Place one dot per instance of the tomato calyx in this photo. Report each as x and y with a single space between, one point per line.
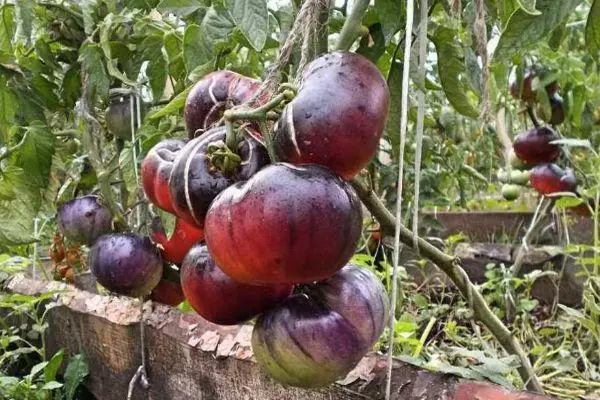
222 158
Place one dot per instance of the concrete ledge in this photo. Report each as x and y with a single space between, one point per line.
190 358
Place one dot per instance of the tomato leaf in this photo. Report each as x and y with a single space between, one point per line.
391 16
181 8
7 28
105 34
92 61
592 30
452 70
528 6
252 19
8 108
24 17
392 127
201 42
17 215
71 86
173 107
35 155
157 64
568 201
524 29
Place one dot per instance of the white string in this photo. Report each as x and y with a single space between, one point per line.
420 119
403 129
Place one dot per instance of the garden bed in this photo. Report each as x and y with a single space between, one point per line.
190 358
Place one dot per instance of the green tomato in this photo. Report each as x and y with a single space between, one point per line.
510 192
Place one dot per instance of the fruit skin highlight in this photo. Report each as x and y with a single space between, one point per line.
286 224
314 338
126 263
534 147
218 298
84 219
195 181
337 117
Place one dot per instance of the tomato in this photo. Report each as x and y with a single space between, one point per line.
195 181
524 90
84 219
535 147
167 292
510 192
338 116
218 298
126 263
182 239
315 337
212 95
557 115
550 178
286 224
156 169
118 115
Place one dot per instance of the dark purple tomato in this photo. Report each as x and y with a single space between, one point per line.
535 147
195 182
550 178
314 338
156 170
84 219
126 263
212 95
557 115
524 90
286 224
338 116
218 298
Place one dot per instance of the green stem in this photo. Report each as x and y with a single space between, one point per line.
352 26
452 268
78 18
11 150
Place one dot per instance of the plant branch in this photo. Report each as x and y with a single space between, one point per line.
91 132
532 116
351 29
451 267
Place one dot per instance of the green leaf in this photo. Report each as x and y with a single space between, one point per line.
557 36
35 156
76 371
92 62
52 385
524 29
24 17
252 19
156 71
37 368
53 365
528 6
592 30
452 72
181 8
200 43
568 201
105 35
71 86
16 216
7 30
8 108
173 107
391 16
394 81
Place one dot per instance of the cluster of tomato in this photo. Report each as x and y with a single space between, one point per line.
535 150
258 238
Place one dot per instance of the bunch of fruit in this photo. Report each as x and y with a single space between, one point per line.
260 238
535 150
